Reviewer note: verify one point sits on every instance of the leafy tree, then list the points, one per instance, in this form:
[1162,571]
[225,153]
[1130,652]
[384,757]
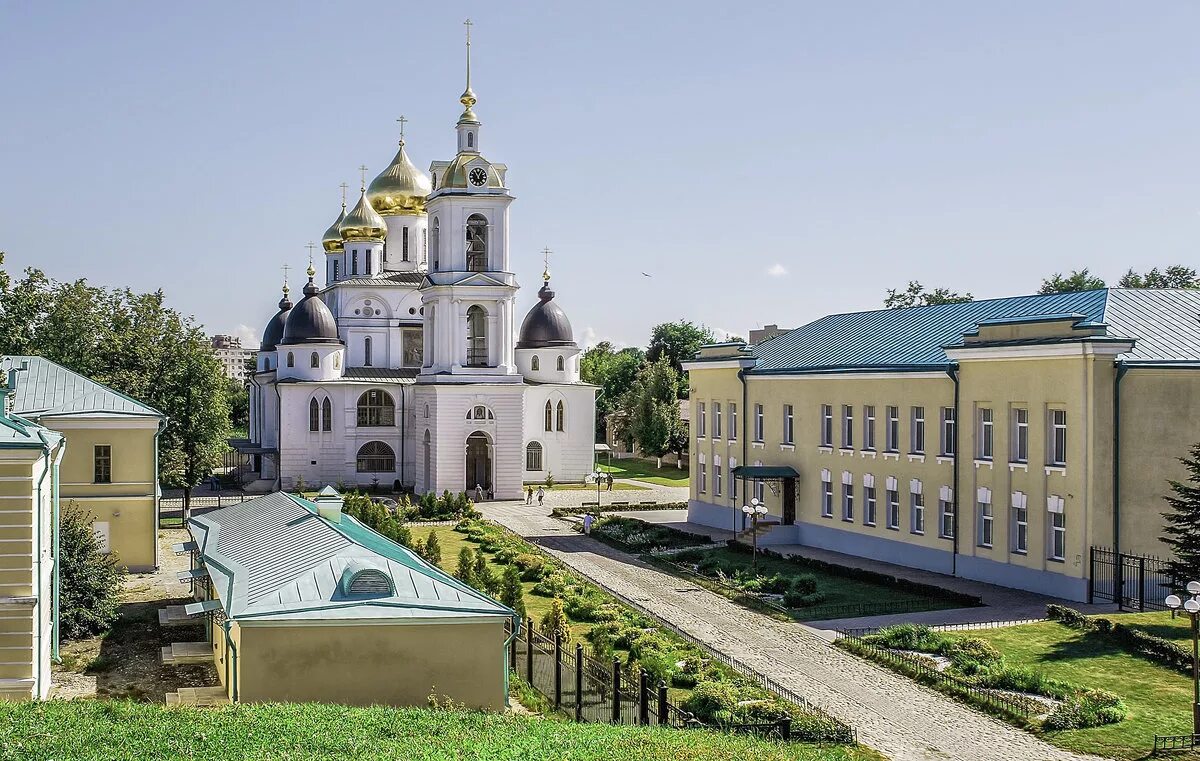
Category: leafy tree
[465,572]
[89,580]
[1182,529]
[554,621]
[1175,276]
[239,408]
[1078,280]
[915,295]
[433,548]
[194,442]
[614,372]
[677,342]
[512,594]
[652,411]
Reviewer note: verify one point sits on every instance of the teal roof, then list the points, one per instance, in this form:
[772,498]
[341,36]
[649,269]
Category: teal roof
[18,432]
[276,558]
[1165,324]
[48,389]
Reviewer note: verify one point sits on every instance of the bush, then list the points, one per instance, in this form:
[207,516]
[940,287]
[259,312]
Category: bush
[970,655]
[466,566]
[512,595]
[908,637]
[1069,617]
[792,599]
[555,621]
[552,584]
[532,567]
[89,580]
[432,549]
[805,584]
[713,702]
[1093,708]
[1023,679]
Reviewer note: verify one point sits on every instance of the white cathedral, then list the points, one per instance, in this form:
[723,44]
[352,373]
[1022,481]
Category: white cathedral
[403,370]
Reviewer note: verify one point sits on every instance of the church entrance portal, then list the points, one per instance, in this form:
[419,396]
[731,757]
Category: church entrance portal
[479,462]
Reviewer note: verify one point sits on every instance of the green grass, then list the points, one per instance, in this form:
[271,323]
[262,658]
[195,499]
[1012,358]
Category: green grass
[645,471]
[1159,700]
[1160,624]
[86,730]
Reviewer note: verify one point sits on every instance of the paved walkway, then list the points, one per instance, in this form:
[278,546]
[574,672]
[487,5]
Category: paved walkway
[892,714]
[648,493]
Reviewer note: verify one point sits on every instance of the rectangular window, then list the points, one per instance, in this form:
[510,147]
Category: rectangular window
[948,431]
[826,499]
[893,508]
[826,425]
[869,427]
[716,478]
[892,435]
[986,434]
[335,271]
[918,431]
[946,511]
[918,513]
[733,425]
[1058,536]
[788,425]
[758,423]
[1020,530]
[702,481]
[102,463]
[354,262]
[1058,437]
[716,421]
[847,426]
[404,244]
[847,502]
[985,524]
[368,252]
[869,506]
[700,422]
[1020,435]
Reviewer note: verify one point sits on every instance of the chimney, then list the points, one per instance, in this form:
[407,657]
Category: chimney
[329,504]
[10,390]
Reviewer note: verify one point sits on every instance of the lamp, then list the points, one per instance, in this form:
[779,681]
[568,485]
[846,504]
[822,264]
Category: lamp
[1191,606]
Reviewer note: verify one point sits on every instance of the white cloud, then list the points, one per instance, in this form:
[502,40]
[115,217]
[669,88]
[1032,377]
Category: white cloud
[248,335]
[777,270]
[591,338]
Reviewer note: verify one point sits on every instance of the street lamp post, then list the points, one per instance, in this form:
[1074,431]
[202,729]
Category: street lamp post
[754,511]
[1191,606]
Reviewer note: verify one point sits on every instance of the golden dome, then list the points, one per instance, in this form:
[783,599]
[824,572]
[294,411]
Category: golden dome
[331,241]
[363,222]
[401,188]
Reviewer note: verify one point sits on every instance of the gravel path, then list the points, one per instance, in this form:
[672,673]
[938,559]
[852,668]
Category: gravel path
[892,714]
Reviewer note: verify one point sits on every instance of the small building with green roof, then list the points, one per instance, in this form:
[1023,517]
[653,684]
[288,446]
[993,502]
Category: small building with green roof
[305,603]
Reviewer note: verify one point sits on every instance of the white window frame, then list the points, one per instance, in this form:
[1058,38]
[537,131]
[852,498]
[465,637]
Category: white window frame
[758,423]
[759,491]
[987,434]
[847,426]
[869,427]
[891,438]
[916,439]
[716,429]
[716,475]
[1056,542]
[1020,440]
[1058,438]
[847,496]
[702,474]
[948,431]
[789,424]
[870,500]
[701,422]
[946,513]
[1020,523]
[916,507]
[733,423]
[985,516]
[827,425]
[826,494]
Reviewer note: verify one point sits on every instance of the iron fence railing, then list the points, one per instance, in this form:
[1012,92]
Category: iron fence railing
[1175,742]
[1133,582]
[864,631]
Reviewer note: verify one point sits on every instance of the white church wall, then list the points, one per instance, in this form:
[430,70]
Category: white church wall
[568,454]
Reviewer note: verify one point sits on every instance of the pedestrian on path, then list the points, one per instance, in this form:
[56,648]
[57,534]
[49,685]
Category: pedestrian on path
[529,495]
[478,493]
[541,495]
[609,479]
[588,519]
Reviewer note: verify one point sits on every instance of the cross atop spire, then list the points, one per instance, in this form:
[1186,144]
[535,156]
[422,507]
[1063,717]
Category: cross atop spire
[344,188]
[402,121]
[468,96]
[362,170]
[285,269]
[546,262]
[468,24]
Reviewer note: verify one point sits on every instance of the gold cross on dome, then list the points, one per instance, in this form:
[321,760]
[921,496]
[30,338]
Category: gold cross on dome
[310,246]
[468,24]
[344,188]
[285,268]
[546,262]
[402,121]
[362,169]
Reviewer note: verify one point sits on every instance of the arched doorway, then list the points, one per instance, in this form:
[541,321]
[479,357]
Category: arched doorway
[479,462]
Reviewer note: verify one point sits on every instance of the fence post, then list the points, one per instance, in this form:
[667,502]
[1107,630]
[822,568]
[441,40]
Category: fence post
[512,650]
[616,690]
[557,670]
[643,697]
[663,718]
[1091,575]
[1142,583]
[1119,580]
[785,728]
[529,650]
[578,681]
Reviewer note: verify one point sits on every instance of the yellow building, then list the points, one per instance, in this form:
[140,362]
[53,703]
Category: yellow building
[998,440]
[29,464]
[307,604]
[111,467]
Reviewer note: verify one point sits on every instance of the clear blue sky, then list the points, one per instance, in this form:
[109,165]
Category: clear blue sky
[763,162]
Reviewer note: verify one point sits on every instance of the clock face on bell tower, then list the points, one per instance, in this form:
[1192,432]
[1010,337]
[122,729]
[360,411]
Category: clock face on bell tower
[478,176]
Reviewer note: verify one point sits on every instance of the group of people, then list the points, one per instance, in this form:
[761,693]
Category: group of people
[530,494]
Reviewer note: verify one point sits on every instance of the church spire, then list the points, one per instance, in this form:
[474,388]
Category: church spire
[468,97]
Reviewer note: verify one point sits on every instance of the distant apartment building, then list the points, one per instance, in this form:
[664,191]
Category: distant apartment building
[765,332]
[233,357]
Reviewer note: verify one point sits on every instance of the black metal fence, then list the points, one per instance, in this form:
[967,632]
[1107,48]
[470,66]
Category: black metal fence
[1175,742]
[1133,582]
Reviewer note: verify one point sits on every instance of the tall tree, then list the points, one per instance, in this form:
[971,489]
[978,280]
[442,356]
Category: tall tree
[1175,276]
[915,295]
[652,411]
[1181,531]
[677,342]
[1078,280]
[614,372]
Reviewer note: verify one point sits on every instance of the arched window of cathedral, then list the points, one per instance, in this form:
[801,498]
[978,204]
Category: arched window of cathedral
[326,415]
[535,364]
[549,417]
[314,360]
[367,351]
[480,412]
[368,270]
[562,416]
[314,415]
[533,456]
[433,181]
[291,359]
[561,365]
[426,415]
[470,139]
[477,253]
[376,408]
[435,240]
[354,262]
[335,269]
[477,347]
[376,457]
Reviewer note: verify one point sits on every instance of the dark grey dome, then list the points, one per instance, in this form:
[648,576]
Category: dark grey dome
[274,332]
[310,321]
[546,324]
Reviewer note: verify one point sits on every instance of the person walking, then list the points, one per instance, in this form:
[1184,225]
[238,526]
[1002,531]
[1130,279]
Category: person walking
[478,493]
[541,495]
[588,519]
[529,495]
[609,479]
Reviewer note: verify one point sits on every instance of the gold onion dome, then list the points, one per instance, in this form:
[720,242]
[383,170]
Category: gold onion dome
[331,241]
[363,222]
[401,188]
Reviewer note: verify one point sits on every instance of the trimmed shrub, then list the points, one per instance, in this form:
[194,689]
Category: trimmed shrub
[1093,708]
[1069,617]
[512,594]
[713,702]
[908,637]
[1024,679]
[555,621]
[532,567]
[805,584]
[970,655]
[465,571]
[792,599]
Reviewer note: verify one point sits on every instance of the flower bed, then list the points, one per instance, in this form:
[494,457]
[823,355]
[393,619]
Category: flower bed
[633,535]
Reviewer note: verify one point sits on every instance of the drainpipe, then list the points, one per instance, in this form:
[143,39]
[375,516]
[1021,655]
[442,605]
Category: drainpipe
[278,438]
[745,415]
[507,645]
[162,426]
[37,581]
[953,373]
[1122,368]
[403,430]
[231,662]
[55,521]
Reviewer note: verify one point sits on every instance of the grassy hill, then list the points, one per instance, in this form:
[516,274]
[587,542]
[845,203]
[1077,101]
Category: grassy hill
[112,730]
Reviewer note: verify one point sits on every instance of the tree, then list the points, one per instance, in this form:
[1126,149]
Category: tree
[1078,280]
[652,411]
[1182,529]
[433,548]
[466,566]
[1175,276]
[512,595]
[614,372]
[915,295]
[554,621]
[485,578]
[677,342]
[239,407]
[194,442]
[89,580]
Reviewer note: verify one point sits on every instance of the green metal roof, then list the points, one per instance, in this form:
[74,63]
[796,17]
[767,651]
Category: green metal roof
[1164,323]
[276,558]
[764,472]
[48,389]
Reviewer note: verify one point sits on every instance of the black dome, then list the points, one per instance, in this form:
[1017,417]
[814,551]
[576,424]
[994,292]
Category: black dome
[274,332]
[310,321]
[546,324]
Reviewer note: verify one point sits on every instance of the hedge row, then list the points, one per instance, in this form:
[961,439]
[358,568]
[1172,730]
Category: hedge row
[1157,650]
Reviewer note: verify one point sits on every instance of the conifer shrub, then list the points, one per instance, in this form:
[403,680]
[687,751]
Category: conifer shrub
[512,595]
[554,621]
[465,571]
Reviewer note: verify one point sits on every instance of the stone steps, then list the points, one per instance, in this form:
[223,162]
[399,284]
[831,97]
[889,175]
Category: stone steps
[181,653]
[175,615]
[198,696]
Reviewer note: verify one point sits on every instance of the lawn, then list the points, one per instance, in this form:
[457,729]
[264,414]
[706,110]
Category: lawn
[1160,624]
[1159,700]
[78,730]
[645,471]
